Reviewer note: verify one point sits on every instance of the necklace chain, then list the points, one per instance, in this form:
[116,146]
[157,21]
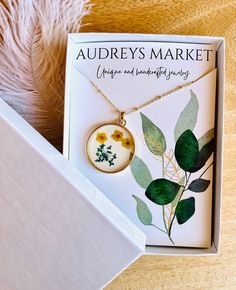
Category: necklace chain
[105,96]
[154,99]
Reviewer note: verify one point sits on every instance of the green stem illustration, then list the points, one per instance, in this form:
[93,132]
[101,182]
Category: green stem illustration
[165,232]
[184,188]
[158,228]
[206,170]
[163,207]
[171,223]
[163,166]
[163,215]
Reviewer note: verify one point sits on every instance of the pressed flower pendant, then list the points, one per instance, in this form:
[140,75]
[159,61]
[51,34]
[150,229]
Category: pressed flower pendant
[111,147]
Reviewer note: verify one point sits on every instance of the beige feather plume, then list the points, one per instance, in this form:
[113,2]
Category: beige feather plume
[33,37]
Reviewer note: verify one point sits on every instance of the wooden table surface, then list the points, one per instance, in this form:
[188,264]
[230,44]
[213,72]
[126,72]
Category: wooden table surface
[201,17]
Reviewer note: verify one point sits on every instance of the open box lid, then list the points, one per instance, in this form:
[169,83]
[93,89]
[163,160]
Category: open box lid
[58,231]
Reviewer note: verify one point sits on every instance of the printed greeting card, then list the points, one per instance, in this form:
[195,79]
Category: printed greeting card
[142,120]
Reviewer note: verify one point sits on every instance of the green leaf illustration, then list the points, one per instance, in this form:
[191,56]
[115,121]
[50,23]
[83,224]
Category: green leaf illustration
[153,136]
[175,201]
[206,138]
[143,212]
[204,155]
[162,191]
[199,185]
[185,210]
[140,172]
[188,117]
[186,150]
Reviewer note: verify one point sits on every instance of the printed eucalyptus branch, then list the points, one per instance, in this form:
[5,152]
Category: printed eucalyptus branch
[191,155]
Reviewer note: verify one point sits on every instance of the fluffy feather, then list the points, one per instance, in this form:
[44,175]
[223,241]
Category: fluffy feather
[33,36]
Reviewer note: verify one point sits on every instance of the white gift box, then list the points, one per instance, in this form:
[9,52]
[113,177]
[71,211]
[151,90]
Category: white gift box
[58,231]
[76,41]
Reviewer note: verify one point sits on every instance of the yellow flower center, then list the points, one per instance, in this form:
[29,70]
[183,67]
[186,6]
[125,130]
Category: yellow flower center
[117,135]
[127,143]
[101,137]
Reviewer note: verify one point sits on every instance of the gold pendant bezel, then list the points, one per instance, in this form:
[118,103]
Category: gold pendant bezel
[132,154]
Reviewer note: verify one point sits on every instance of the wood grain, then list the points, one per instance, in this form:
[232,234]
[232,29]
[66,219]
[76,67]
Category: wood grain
[202,17]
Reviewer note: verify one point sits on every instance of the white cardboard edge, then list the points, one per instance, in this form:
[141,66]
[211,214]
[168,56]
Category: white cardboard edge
[220,45]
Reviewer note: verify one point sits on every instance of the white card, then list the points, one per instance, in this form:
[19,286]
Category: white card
[131,73]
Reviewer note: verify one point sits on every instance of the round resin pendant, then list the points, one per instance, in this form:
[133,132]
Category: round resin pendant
[111,148]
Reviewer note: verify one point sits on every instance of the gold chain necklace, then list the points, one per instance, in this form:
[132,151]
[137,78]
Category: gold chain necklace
[111,147]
